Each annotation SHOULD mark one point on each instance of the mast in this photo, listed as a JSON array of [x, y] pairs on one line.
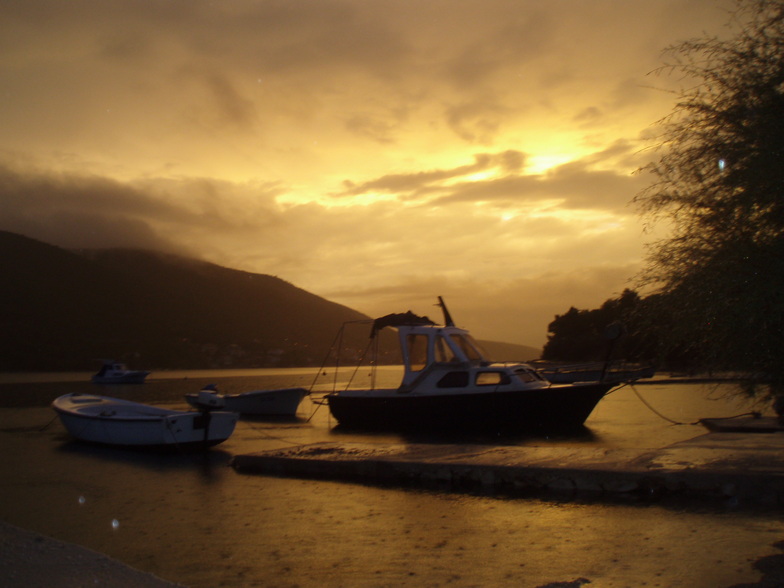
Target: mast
[[448, 322]]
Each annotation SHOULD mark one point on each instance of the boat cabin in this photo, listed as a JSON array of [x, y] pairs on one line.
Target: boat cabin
[[440, 358], [451, 358], [112, 367], [424, 346]]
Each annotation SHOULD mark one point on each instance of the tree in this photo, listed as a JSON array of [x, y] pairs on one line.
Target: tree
[[719, 182], [581, 335]]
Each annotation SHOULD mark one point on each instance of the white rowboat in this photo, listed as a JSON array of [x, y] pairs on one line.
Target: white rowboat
[[112, 421]]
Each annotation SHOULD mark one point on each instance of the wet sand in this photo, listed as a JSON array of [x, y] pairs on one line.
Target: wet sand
[[193, 520]]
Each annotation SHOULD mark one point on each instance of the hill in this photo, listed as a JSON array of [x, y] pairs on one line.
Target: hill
[[62, 310], [499, 351]]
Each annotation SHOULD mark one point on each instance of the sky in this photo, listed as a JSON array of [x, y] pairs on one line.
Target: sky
[[377, 153]]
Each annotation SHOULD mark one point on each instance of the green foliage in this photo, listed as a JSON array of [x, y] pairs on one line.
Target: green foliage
[[719, 183]]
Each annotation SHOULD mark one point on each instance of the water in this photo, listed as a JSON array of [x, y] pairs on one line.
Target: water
[[192, 519]]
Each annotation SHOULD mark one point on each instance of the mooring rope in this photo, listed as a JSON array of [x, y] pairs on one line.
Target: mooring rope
[[753, 413], [47, 425], [318, 404], [261, 430], [656, 412], [337, 345]]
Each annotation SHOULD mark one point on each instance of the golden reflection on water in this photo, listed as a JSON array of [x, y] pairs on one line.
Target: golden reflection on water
[[194, 520]]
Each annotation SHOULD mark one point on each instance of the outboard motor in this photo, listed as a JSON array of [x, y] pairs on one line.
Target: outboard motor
[[210, 399]]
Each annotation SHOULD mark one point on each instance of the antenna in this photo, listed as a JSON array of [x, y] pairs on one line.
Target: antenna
[[448, 322]]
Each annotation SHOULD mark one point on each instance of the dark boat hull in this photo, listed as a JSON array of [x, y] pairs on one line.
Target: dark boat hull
[[554, 408]]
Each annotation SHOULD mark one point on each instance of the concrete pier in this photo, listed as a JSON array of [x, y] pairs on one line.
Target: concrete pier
[[741, 468]]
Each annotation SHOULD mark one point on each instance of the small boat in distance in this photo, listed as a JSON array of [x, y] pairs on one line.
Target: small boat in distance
[[113, 372], [278, 402], [112, 421], [449, 383]]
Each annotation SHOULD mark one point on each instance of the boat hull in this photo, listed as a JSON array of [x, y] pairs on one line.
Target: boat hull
[[126, 378], [533, 410], [282, 402], [564, 375], [111, 421]]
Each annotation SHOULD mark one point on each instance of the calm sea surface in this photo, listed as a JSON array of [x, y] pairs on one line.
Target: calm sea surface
[[192, 519]]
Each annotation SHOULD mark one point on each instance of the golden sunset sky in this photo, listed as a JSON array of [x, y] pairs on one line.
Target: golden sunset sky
[[377, 153]]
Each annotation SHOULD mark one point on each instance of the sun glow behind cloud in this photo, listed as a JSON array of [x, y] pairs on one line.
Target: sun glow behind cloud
[[375, 153], [540, 163]]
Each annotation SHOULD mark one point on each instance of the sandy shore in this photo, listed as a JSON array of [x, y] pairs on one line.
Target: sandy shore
[[30, 560]]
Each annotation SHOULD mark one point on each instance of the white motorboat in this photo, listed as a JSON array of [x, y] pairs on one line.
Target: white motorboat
[[112, 421], [449, 382], [113, 372], [278, 402]]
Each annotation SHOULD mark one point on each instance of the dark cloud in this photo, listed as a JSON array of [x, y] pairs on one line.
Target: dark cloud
[[193, 72], [126, 47], [476, 122], [590, 115], [521, 38], [468, 251], [589, 183], [79, 212], [407, 185], [375, 128], [581, 186], [225, 128], [76, 211], [234, 108]]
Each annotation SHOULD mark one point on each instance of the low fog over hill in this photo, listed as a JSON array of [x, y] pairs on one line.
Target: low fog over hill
[[63, 310]]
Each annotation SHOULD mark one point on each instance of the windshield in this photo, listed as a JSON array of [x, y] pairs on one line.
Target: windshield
[[444, 353], [468, 346], [417, 352]]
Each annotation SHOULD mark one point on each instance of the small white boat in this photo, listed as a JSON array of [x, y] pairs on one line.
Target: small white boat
[[279, 402], [112, 421], [113, 372]]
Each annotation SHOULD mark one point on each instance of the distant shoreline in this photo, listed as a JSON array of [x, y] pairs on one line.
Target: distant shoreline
[[179, 374], [183, 374]]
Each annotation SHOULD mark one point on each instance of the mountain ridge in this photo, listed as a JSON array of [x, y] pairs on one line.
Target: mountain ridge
[[64, 309]]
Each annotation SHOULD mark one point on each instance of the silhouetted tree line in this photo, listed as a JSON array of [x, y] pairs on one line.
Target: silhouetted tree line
[[629, 327], [719, 186]]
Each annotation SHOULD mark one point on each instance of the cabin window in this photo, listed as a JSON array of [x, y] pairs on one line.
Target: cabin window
[[491, 379], [417, 352], [465, 346], [453, 380], [527, 376], [444, 353]]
